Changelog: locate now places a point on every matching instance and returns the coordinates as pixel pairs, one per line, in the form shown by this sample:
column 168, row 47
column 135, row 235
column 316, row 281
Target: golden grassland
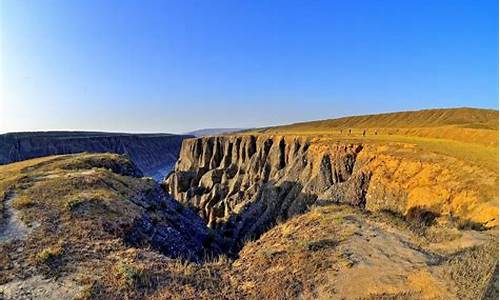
column 334, row 249
column 477, row 153
column 470, row 134
column 10, row 173
column 465, row 133
column 427, row 118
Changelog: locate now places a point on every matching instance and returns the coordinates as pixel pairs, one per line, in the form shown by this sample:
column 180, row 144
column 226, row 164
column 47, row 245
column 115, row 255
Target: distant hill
column 461, row 124
column 473, row 117
column 213, row 131
column 154, row 154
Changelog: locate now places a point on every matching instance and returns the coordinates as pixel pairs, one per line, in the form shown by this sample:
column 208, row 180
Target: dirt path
column 37, row 287
column 12, row 228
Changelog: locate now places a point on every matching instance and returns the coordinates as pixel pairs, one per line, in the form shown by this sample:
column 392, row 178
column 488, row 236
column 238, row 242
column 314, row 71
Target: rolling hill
column 470, row 125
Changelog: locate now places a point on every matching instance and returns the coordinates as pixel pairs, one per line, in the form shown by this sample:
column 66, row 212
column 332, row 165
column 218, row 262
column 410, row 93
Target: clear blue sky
column 173, row 66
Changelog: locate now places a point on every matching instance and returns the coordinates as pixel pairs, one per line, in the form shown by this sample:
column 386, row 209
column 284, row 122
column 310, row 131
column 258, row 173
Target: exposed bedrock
column 242, row 185
column 167, row 226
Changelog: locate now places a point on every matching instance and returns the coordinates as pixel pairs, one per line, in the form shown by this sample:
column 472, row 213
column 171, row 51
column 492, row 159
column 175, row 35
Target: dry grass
column 79, row 208
column 478, row 154
column 294, row 258
column 22, row 202
column 467, row 134
column 11, row 174
column 388, row 122
column 82, row 209
column 81, row 205
column 129, row 275
column 303, row 257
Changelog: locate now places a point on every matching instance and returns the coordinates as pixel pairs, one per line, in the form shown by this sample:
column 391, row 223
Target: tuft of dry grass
column 49, row 254
column 130, row 275
column 21, row 202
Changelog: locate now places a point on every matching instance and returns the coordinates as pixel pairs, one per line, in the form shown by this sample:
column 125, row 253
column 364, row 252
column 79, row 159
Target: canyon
column 357, row 212
column 242, row 185
column 154, row 154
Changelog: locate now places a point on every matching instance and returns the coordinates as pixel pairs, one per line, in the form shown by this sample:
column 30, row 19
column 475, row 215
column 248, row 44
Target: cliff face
column 242, row 185
column 154, row 154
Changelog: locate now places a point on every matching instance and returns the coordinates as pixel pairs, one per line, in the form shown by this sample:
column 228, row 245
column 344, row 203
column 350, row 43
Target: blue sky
column 173, row 66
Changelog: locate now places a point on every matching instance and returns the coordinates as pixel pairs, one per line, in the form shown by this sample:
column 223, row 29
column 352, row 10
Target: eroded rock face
column 153, row 154
column 167, row 226
column 241, row 185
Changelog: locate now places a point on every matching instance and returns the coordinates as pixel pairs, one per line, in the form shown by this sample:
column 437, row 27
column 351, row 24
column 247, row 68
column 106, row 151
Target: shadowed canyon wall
column 242, row 185
column 154, row 154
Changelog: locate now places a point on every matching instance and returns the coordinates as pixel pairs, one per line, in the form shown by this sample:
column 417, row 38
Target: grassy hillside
column 334, row 252
column 73, row 218
column 463, row 117
column 468, row 134
column 469, row 125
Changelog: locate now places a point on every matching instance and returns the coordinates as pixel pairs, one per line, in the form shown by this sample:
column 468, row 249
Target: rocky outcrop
column 154, row 154
column 242, row 185
column 171, row 229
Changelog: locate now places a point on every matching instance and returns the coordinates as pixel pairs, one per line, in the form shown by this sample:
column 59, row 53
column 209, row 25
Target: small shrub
column 21, row 202
column 86, row 293
column 421, row 216
column 130, row 275
column 470, row 225
column 86, row 199
column 49, row 255
column 321, row 244
column 74, row 202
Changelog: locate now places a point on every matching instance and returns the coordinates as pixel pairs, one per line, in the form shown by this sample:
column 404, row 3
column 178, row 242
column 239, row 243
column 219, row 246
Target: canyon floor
column 322, row 211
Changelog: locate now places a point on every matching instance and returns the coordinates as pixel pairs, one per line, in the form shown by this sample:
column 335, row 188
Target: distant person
column 340, row 131
column 350, row 131
column 364, row 132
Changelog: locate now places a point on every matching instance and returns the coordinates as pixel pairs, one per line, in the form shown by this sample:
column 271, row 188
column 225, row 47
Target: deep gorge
column 243, row 185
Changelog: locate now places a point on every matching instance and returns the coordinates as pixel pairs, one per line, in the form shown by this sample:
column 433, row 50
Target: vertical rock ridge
column 241, row 185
